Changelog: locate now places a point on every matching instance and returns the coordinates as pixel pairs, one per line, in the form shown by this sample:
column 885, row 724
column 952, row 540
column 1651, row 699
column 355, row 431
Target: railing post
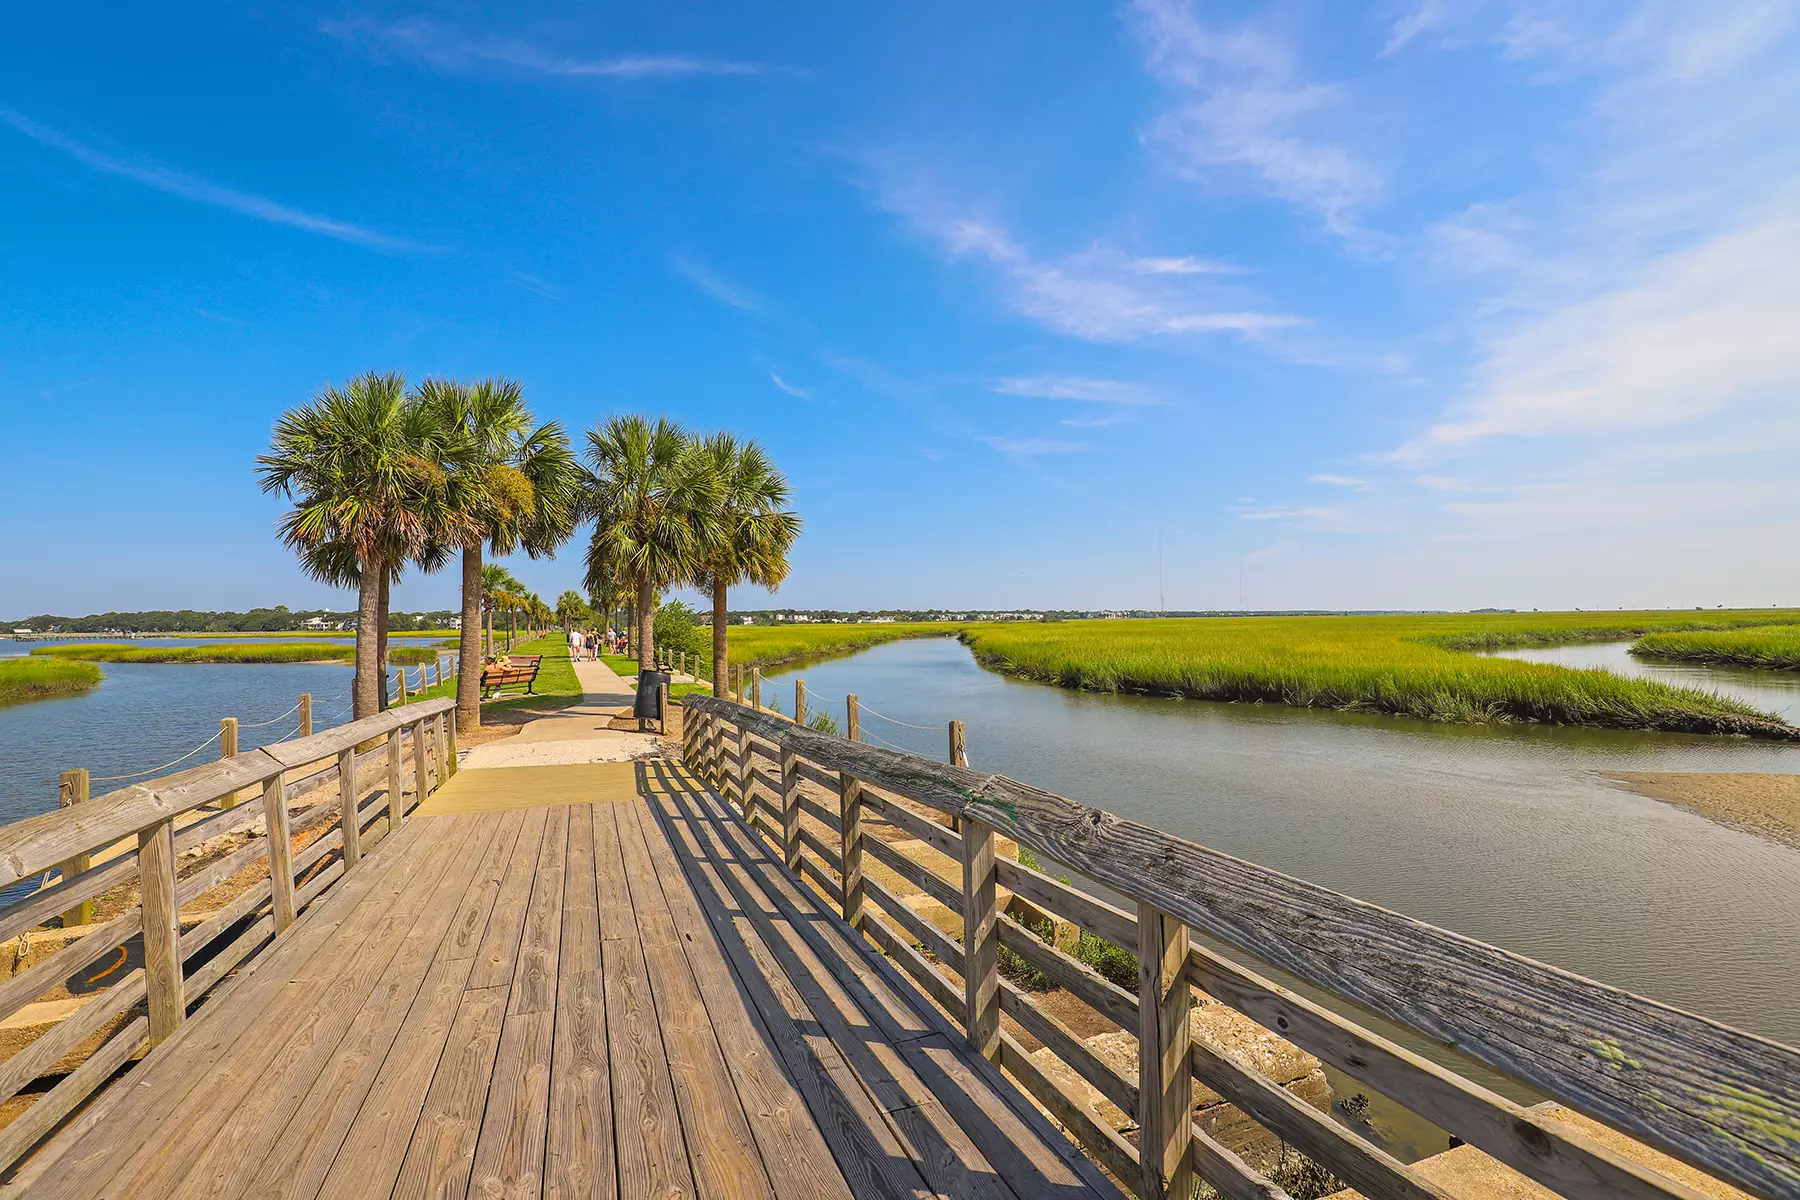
column 350, row 820
column 162, row 931
column 959, row 757
column 421, row 770
column 756, row 688
column 72, row 788
column 403, row 685
column 281, row 850
column 790, row 809
column 438, row 774
column 852, row 718
column 850, row 836
column 305, row 714
column 396, row 766
column 1165, row 1093
column 799, row 701
column 981, row 939
column 743, row 770
column 228, row 748
column 449, row 743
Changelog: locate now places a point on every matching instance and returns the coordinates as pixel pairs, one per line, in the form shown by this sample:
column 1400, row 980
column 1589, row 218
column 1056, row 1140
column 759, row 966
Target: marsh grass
column 229, row 652
column 40, row 678
column 1776, row 646
column 1402, row 665
column 768, row 646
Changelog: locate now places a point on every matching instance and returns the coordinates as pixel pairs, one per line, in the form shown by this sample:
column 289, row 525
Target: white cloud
column 1284, row 513
column 1187, row 265
column 1028, row 447
column 1076, row 387
column 1098, row 294
column 789, row 388
column 1347, row 481
column 1241, row 114
column 434, row 44
column 202, row 191
column 702, row 277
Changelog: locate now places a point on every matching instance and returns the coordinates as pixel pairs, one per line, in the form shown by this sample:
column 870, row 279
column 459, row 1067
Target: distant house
column 317, row 624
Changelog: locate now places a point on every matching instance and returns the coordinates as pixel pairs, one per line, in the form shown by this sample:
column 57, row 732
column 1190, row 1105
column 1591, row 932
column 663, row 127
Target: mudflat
column 1765, row 804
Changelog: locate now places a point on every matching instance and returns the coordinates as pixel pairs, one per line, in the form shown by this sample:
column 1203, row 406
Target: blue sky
column 1429, row 303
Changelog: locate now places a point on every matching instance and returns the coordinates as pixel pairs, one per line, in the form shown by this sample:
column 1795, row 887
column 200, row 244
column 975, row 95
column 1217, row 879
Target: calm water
column 1776, row 692
column 1508, row 834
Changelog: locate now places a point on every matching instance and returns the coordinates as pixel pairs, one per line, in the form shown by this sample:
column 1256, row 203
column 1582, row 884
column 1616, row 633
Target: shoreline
column 1756, row 802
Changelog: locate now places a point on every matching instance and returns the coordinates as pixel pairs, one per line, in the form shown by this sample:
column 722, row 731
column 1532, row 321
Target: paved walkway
column 577, row 734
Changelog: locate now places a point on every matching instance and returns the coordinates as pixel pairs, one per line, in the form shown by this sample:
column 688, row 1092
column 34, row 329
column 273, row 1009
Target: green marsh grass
column 39, row 678
column 1776, row 646
column 1401, row 665
column 229, row 652
column 768, row 646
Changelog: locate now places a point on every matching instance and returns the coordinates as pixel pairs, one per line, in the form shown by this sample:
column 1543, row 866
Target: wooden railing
column 160, row 837
column 1722, row 1100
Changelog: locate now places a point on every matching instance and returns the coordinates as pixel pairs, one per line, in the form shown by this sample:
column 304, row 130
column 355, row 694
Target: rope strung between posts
column 909, row 725
column 259, row 724
column 153, row 770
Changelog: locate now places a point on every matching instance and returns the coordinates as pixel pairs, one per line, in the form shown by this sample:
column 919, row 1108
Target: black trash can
column 649, row 695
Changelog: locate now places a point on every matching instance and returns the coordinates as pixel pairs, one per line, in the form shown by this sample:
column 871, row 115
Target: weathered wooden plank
column 821, row 879
column 1063, row 1042
column 943, row 839
column 471, row 919
column 49, row 1109
column 862, row 1142
column 578, row 1156
column 509, row 1154
column 281, row 851
column 947, row 949
column 1233, row 1178
column 1712, row 1095
column 1105, row 1143
column 540, row 946
column 895, row 945
column 915, row 873
column 793, row 1151
column 981, row 940
column 497, row 956
column 1556, row 1155
column 1365, row 1167
column 1072, row 975
column 717, row 1133
column 850, row 841
column 162, row 932
column 1071, row 904
column 651, row 1157
column 440, row 1157
column 48, row 1047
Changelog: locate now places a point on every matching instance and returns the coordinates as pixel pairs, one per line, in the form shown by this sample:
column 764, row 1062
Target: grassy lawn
column 228, row 652
column 620, row 663
column 1775, row 646
column 1402, row 665
column 556, row 684
column 38, row 678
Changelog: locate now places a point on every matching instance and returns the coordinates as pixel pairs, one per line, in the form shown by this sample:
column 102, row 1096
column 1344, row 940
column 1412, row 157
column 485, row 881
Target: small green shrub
column 1116, row 964
column 823, row 722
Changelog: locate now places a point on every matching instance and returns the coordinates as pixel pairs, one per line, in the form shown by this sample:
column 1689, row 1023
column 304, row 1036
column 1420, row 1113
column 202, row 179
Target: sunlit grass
column 555, row 686
column 229, row 652
column 1403, row 665
column 39, row 678
column 773, row 645
column 1767, row 646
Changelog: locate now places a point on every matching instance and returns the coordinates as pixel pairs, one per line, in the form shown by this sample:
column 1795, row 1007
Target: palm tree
column 572, row 610
column 753, row 532
column 653, row 509
column 499, row 592
column 515, row 488
column 362, row 465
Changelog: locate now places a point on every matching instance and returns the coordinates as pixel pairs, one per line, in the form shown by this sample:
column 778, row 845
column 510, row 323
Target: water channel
column 1510, row 834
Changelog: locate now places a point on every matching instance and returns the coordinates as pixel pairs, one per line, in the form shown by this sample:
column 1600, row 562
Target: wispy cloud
column 790, row 389
column 1284, row 513
column 1076, row 387
column 1187, row 265
column 702, row 277
column 203, row 191
column 1242, row 114
column 1346, row 481
column 421, row 39
column 1032, row 446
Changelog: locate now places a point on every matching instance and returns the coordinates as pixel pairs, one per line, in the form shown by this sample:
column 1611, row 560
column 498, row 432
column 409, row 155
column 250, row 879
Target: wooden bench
column 522, row 673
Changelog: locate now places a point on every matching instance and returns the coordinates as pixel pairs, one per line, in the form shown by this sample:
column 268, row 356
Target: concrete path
column 577, row 734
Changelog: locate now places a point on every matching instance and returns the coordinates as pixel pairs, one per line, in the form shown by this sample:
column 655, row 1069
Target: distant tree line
column 280, row 619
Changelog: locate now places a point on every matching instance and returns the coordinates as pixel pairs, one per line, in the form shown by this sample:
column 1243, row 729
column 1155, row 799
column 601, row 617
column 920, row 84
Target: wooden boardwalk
column 628, row 997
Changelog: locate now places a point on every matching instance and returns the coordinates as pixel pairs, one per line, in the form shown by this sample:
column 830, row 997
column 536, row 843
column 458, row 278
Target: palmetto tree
column 752, row 531
column 513, row 485
column 362, row 465
column 499, row 593
column 572, row 610
column 652, row 505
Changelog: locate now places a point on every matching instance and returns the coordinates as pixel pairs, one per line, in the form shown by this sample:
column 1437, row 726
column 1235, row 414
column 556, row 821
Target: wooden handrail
column 1722, row 1099
column 39, row 843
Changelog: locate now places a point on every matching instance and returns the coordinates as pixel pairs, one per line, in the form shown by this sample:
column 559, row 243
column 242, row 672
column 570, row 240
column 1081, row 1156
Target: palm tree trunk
column 381, row 635
column 646, row 625
column 368, row 654
column 468, row 672
column 721, row 665
column 490, row 630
